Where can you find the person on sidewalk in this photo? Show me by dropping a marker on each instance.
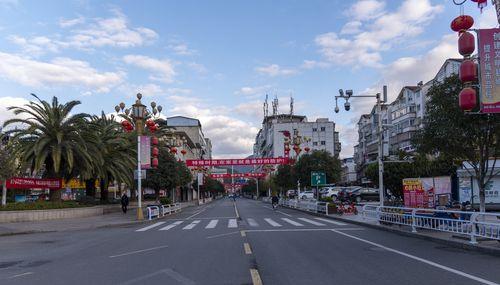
(124, 202)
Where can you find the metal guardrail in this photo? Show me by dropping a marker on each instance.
(472, 224)
(156, 211)
(311, 206)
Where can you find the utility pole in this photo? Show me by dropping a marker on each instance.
(257, 194)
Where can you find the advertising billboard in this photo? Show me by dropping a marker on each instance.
(489, 69)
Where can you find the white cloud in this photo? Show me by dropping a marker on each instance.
(310, 64)
(66, 23)
(6, 102)
(275, 70)
(147, 90)
(59, 71)
(384, 30)
(178, 91)
(36, 45)
(164, 69)
(198, 67)
(366, 10)
(181, 48)
(352, 27)
(253, 109)
(253, 90)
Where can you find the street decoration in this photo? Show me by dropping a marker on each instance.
(489, 55)
(244, 161)
(462, 23)
(30, 183)
(145, 149)
(239, 175)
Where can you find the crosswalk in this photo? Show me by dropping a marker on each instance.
(210, 224)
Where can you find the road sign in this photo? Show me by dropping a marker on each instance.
(318, 178)
(143, 174)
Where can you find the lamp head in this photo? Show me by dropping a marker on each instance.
(347, 106)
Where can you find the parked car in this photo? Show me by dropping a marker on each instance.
(306, 195)
(291, 193)
(344, 195)
(331, 192)
(362, 194)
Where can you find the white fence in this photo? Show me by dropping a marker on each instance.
(472, 224)
(311, 206)
(156, 211)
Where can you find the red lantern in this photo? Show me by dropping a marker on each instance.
(297, 149)
(467, 99)
(173, 150)
(150, 123)
(154, 162)
(183, 152)
(466, 44)
(481, 4)
(468, 71)
(155, 151)
(153, 128)
(462, 23)
(307, 149)
(154, 140)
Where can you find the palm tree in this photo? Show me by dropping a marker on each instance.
(49, 139)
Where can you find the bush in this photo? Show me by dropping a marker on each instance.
(41, 205)
(165, 201)
(327, 199)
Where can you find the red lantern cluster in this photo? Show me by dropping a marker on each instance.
(183, 152)
(173, 150)
(151, 126)
(154, 140)
(468, 68)
(154, 162)
(127, 126)
(307, 149)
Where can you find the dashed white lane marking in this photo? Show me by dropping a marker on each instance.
(311, 222)
(272, 223)
(150, 227)
(138, 251)
(212, 224)
(292, 222)
(255, 277)
(331, 222)
(252, 222)
(247, 248)
(232, 223)
(19, 275)
(191, 225)
(431, 263)
(171, 226)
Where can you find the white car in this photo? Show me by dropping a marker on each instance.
(306, 195)
(332, 192)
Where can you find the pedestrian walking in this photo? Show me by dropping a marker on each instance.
(124, 201)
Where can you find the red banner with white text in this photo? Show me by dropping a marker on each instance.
(244, 161)
(239, 175)
(28, 183)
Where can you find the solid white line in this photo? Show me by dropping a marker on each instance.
(252, 222)
(232, 223)
(311, 222)
(284, 213)
(138, 251)
(22, 274)
(212, 224)
(196, 213)
(222, 235)
(272, 223)
(331, 222)
(171, 226)
(431, 263)
(150, 227)
(292, 222)
(191, 225)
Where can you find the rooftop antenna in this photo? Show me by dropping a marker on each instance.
(275, 106)
(266, 108)
(291, 105)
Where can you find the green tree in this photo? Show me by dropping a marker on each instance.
(8, 168)
(285, 178)
(452, 133)
(318, 160)
(165, 176)
(50, 139)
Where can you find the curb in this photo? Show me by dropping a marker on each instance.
(454, 243)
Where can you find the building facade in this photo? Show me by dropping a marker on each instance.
(198, 146)
(348, 174)
(317, 135)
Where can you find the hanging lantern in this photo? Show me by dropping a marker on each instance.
(462, 23)
(183, 152)
(155, 151)
(468, 71)
(287, 148)
(150, 123)
(466, 44)
(124, 124)
(154, 162)
(307, 149)
(173, 150)
(297, 149)
(153, 128)
(154, 140)
(467, 99)
(481, 4)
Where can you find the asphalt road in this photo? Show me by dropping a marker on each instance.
(219, 243)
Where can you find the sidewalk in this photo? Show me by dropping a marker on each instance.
(114, 219)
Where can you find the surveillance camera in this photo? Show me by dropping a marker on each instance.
(348, 92)
(336, 109)
(341, 92)
(347, 106)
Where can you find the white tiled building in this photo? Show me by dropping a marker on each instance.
(348, 174)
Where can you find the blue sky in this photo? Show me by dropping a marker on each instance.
(216, 60)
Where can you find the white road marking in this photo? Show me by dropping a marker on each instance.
(284, 213)
(272, 223)
(171, 226)
(22, 274)
(232, 223)
(332, 222)
(247, 248)
(138, 251)
(252, 222)
(191, 225)
(255, 277)
(212, 224)
(222, 235)
(196, 213)
(431, 263)
(169, 272)
(311, 222)
(292, 222)
(150, 227)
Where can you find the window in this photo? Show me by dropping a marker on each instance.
(418, 108)
(315, 143)
(323, 129)
(315, 129)
(323, 143)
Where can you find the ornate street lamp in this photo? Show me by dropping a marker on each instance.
(137, 115)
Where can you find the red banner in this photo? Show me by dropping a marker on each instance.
(27, 183)
(239, 175)
(489, 55)
(245, 161)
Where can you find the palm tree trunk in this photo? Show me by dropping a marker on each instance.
(4, 193)
(90, 187)
(104, 190)
(55, 195)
